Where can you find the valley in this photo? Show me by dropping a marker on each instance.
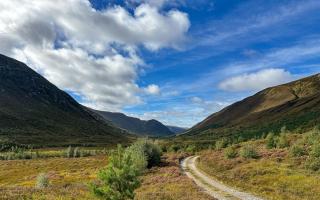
(159, 100)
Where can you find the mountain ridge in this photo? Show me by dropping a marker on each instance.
(267, 110)
(34, 111)
(135, 125)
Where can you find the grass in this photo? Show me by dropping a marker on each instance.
(275, 174)
(68, 177)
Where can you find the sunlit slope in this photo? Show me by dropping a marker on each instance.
(295, 105)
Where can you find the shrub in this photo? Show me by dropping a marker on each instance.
(283, 141)
(248, 152)
(271, 141)
(312, 137)
(119, 180)
(69, 152)
(136, 152)
(191, 148)
(42, 181)
(153, 153)
(76, 152)
(313, 164)
(220, 144)
(315, 150)
(230, 152)
(297, 150)
(174, 148)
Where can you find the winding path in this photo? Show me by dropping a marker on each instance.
(213, 187)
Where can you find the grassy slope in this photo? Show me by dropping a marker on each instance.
(295, 105)
(34, 111)
(275, 175)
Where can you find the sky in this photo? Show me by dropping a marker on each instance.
(177, 61)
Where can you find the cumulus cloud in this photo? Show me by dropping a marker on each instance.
(89, 52)
(256, 81)
(152, 89)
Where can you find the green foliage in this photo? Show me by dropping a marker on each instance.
(283, 141)
(315, 150)
(174, 148)
(191, 149)
(271, 141)
(69, 152)
(220, 144)
(138, 156)
(152, 151)
(76, 152)
(312, 137)
(119, 179)
(248, 152)
(230, 152)
(297, 150)
(42, 181)
(313, 163)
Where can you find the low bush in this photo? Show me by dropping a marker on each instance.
(230, 152)
(271, 141)
(282, 141)
(315, 150)
(248, 152)
(42, 181)
(220, 144)
(297, 150)
(313, 163)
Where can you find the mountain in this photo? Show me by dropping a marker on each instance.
(135, 125)
(34, 111)
(176, 130)
(295, 105)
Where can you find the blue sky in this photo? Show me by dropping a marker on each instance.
(197, 57)
(230, 38)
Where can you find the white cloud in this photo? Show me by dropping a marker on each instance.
(196, 100)
(256, 81)
(152, 89)
(89, 52)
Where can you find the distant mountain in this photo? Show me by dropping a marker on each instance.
(34, 111)
(176, 129)
(295, 105)
(135, 125)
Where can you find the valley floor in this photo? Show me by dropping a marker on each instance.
(69, 179)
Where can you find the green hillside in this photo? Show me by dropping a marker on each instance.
(34, 111)
(295, 105)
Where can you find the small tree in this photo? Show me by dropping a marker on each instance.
(248, 152)
(230, 152)
(119, 180)
(315, 150)
(220, 144)
(42, 181)
(297, 150)
(76, 152)
(69, 152)
(283, 141)
(271, 141)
